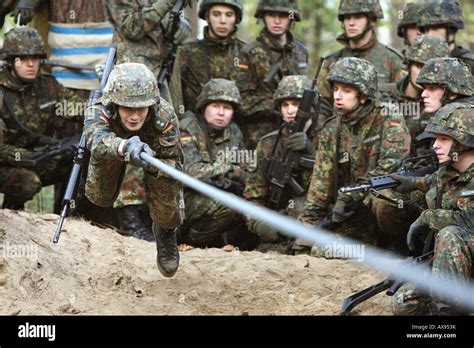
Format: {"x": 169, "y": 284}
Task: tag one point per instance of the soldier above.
{"x": 286, "y": 100}
{"x": 275, "y": 53}
{"x": 357, "y": 143}
{"x": 408, "y": 26}
{"x": 210, "y": 141}
{"x": 359, "y": 19}
{"x": 218, "y": 55}
{"x": 129, "y": 119}
{"x": 404, "y": 96}
{"x": 444, "y": 19}
{"x": 450, "y": 198}
{"x": 30, "y": 119}
{"x": 139, "y": 36}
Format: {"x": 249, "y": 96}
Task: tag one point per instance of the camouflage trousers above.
{"x": 163, "y": 194}
{"x": 453, "y": 256}
{"x": 206, "y": 220}
{"x": 132, "y": 191}
{"x": 394, "y": 219}
{"x": 19, "y": 185}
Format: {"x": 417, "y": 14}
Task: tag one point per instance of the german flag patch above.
{"x": 186, "y": 138}
{"x": 243, "y": 66}
{"x": 394, "y": 123}
{"x": 104, "y": 118}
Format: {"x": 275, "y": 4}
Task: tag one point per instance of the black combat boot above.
{"x": 167, "y": 257}
{"x": 131, "y": 223}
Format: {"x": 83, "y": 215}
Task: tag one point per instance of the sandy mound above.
{"x": 97, "y": 271}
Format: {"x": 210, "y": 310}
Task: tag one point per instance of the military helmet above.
{"x": 24, "y": 41}
{"x": 444, "y": 13}
{"x": 426, "y": 47}
{"x": 452, "y": 73}
{"x": 286, "y": 6}
{"x": 291, "y": 87}
{"x": 348, "y": 7}
{"x": 132, "y": 85}
{"x": 409, "y": 18}
{"x": 235, "y": 4}
{"x": 357, "y": 72}
{"x": 219, "y": 90}
{"x": 455, "y": 120}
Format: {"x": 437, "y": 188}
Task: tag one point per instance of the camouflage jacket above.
{"x": 394, "y": 100}
{"x": 207, "y": 153}
{"x": 387, "y": 62}
{"x": 30, "y": 111}
{"x": 264, "y": 53}
{"x": 349, "y": 153}
{"x": 272, "y": 144}
{"x": 455, "y": 205}
{"x": 203, "y": 60}
{"x": 104, "y": 132}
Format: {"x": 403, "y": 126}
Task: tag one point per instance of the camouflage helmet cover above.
{"x": 131, "y": 85}
{"x": 219, "y": 90}
{"x": 357, "y": 72}
{"x": 445, "y": 13}
{"x": 348, "y": 7}
{"x": 426, "y": 47}
{"x": 291, "y": 87}
{"x": 452, "y": 73}
{"x": 24, "y": 41}
{"x": 285, "y": 6}
{"x": 455, "y": 120}
{"x": 235, "y": 4}
{"x": 409, "y": 18}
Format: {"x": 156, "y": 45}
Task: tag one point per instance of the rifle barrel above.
{"x": 355, "y": 188}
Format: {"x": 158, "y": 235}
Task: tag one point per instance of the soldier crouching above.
{"x": 129, "y": 119}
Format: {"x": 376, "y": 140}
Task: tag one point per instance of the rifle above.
{"x": 414, "y": 166}
{"x": 390, "y": 283}
{"x": 276, "y": 70}
{"x": 281, "y": 172}
{"x": 79, "y": 160}
{"x": 170, "y": 46}
{"x": 226, "y": 184}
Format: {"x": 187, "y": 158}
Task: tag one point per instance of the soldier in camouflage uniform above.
{"x": 128, "y": 120}
{"x": 450, "y": 213}
{"x": 359, "y": 18}
{"x": 444, "y": 18}
{"x": 218, "y": 55}
{"x": 139, "y": 36}
{"x": 408, "y": 26}
{"x": 30, "y": 119}
{"x": 357, "y": 143}
{"x": 275, "y": 52}
{"x": 286, "y": 100}
{"x": 210, "y": 139}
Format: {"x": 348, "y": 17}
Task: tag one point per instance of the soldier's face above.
{"x": 442, "y": 146}
{"x": 346, "y": 98}
{"x": 27, "y": 68}
{"x": 277, "y": 23}
{"x": 222, "y": 20}
{"x": 133, "y": 118}
{"x": 218, "y": 114}
{"x": 432, "y": 95}
{"x": 440, "y": 32}
{"x": 412, "y": 33}
{"x": 289, "y": 109}
{"x": 355, "y": 24}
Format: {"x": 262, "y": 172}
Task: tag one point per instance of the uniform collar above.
{"x": 344, "y": 40}
{"x": 228, "y": 41}
{"x": 269, "y": 41}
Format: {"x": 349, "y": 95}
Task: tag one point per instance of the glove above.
{"x": 297, "y": 141}
{"x": 25, "y": 11}
{"x": 133, "y": 148}
{"x": 266, "y": 233}
{"x": 339, "y": 212}
{"x": 415, "y": 232}
{"x": 407, "y": 183}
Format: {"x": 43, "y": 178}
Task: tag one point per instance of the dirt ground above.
{"x": 97, "y": 271}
